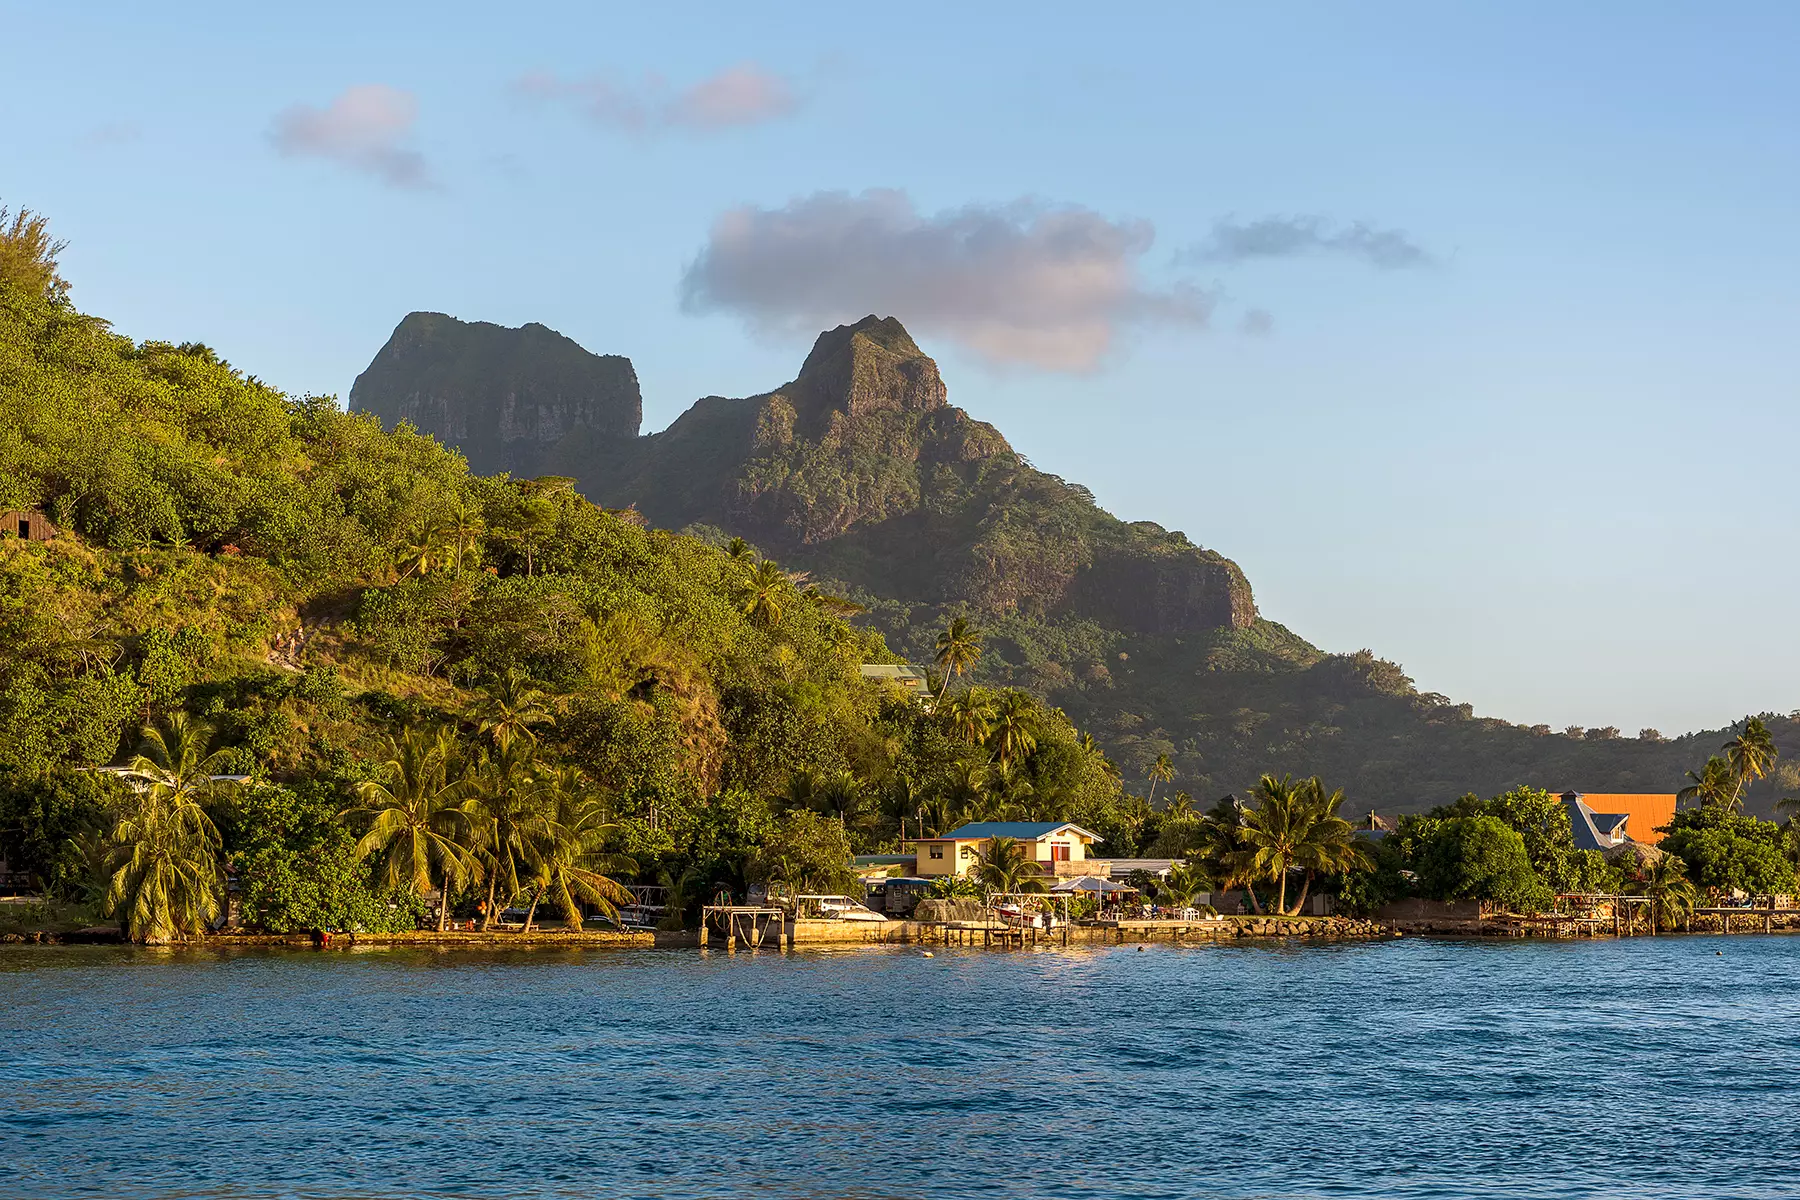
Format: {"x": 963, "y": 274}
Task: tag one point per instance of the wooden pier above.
{"x": 744, "y": 924}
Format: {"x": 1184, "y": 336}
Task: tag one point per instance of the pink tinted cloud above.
{"x": 737, "y": 97}
{"x": 365, "y": 127}
{"x": 1021, "y": 284}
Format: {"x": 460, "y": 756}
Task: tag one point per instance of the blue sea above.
{"x": 1665, "y": 1067}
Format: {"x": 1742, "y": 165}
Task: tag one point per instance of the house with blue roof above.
{"x": 1059, "y": 847}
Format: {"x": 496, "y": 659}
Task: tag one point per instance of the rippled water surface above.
{"x": 1638, "y": 1068}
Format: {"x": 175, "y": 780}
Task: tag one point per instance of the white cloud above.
{"x": 1022, "y": 283}
{"x": 736, "y": 97}
{"x": 365, "y": 127}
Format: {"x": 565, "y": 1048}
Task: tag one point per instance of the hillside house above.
{"x": 1602, "y": 820}
{"x": 1059, "y": 847}
{"x": 908, "y": 679}
{"x": 27, "y": 525}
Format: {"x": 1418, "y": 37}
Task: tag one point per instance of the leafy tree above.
{"x": 504, "y": 808}
{"x": 298, "y": 869}
{"x": 41, "y": 819}
{"x": 1476, "y": 858}
{"x": 1184, "y": 885}
{"x": 805, "y": 852}
{"x": 28, "y": 254}
{"x": 1727, "y": 851}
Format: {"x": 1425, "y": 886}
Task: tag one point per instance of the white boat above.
{"x": 843, "y": 908}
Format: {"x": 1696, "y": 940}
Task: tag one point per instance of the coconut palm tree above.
{"x": 423, "y": 553}
{"x": 1184, "y": 885}
{"x": 738, "y": 550}
{"x": 1296, "y": 826}
{"x": 506, "y": 805}
{"x": 165, "y": 879}
{"x": 1665, "y": 882}
{"x": 760, "y": 594}
{"x": 1749, "y": 755}
{"x": 968, "y": 716}
{"x": 180, "y": 758}
{"x": 418, "y": 820}
{"x": 509, "y": 707}
{"x": 1003, "y": 865}
{"x": 1161, "y": 771}
{"x": 1010, "y": 735}
{"x": 841, "y": 794}
{"x": 569, "y": 862}
{"x": 958, "y": 650}
{"x": 458, "y": 538}
{"x": 1715, "y": 786}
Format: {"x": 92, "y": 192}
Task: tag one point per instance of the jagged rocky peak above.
{"x": 871, "y": 366}
{"x": 510, "y": 399}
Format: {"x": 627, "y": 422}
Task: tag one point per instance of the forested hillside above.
{"x": 330, "y": 607}
{"x": 861, "y": 472}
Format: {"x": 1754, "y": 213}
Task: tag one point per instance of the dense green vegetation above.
{"x": 438, "y": 681}
{"x": 452, "y": 693}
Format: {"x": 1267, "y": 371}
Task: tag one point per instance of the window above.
{"x": 968, "y": 852}
{"x": 937, "y": 852}
{"x": 1059, "y": 852}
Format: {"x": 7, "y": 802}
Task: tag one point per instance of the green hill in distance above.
{"x": 860, "y": 472}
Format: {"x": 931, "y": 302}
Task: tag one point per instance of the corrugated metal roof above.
{"x": 1029, "y": 831}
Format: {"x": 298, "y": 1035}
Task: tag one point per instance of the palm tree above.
{"x": 1010, "y": 735}
{"x": 1296, "y": 826}
{"x": 958, "y": 650}
{"x": 422, "y": 553}
{"x": 568, "y": 851}
{"x": 457, "y": 535}
{"x": 179, "y": 758}
{"x": 165, "y": 878}
{"x": 1749, "y": 755}
{"x": 1672, "y": 895}
{"x": 509, "y": 707}
{"x": 1003, "y": 866}
{"x": 1184, "y": 885}
{"x": 968, "y": 716}
{"x": 506, "y": 807}
{"x": 1714, "y": 787}
{"x": 760, "y": 593}
{"x": 840, "y": 793}
{"x": 1161, "y": 771}
{"x": 738, "y": 550}
{"x": 418, "y": 820}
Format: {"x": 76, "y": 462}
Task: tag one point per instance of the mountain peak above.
{"x": 870, "y": 366}
{"x": 504, "y": 396}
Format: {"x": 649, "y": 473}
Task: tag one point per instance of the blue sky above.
{"x": 1543, "y": 462}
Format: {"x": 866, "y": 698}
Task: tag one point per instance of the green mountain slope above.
{"x": 860, "y": 472}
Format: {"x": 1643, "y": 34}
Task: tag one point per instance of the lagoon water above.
{"x": 1650, "y": 1067}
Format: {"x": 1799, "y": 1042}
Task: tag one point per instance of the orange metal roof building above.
{"x": 1646, "y": 812}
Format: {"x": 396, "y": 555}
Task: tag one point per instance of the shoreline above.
{"x": 809, "y": 934}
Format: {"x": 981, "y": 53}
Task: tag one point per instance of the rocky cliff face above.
{"x": 525, "y": 400}
{"x": 859, "y": 469}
